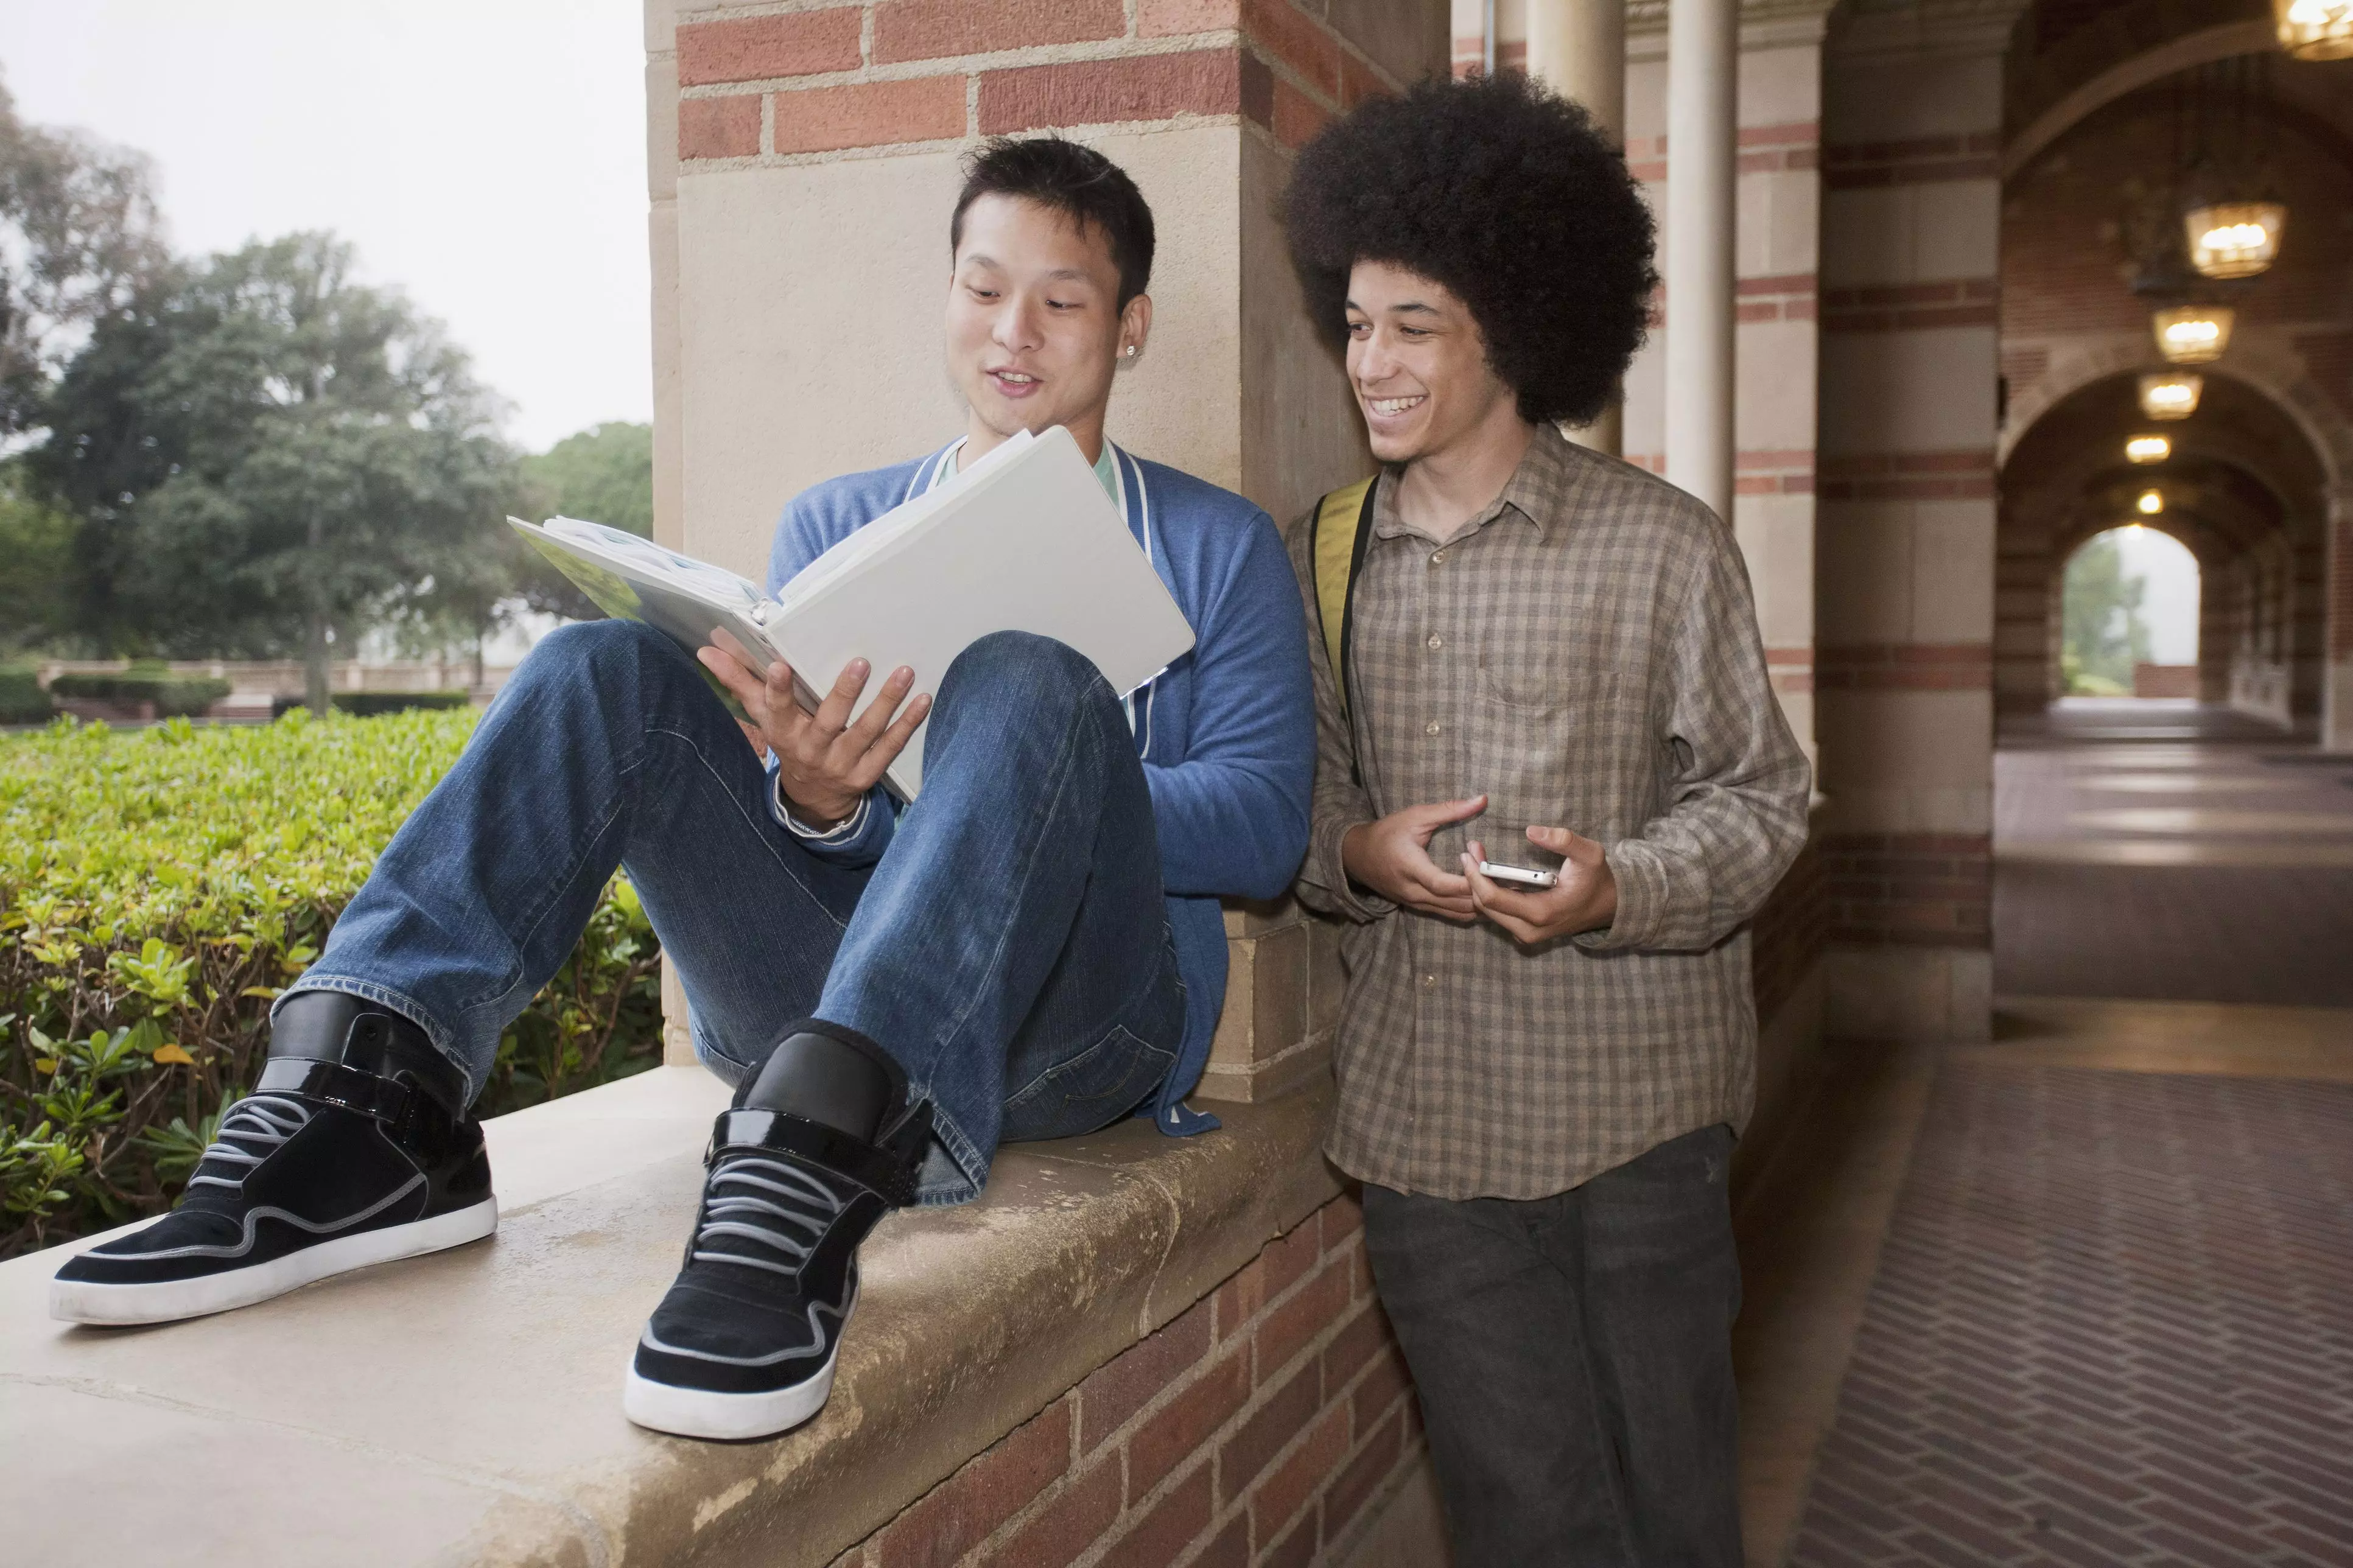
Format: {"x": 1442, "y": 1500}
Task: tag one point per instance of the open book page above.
{"x": 724, "y": 586}
{"x": 696, "y": 605}
{"x": 893, "y": 528}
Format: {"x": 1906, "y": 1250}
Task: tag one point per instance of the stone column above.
{"x": 1912, "y": 124}
{"x": 1702, "y": 76}
{"x": 1577, "y": 47}
{"x": 1777, "y": 203}
{"x": 2337, "y": 673}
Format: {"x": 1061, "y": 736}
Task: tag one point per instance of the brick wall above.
{"x": 811, "y": 83}
{"x": 1915, "y": 889}
{"x": 1253, "y": 1429}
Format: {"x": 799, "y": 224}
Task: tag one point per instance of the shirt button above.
{"x": 1438, "y": 558}
{"x": 1436, "y": 641}
{"x": 1429, "y": 982}
{"x": 1431, "y": 728}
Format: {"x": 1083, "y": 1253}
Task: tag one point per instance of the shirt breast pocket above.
{"x": 1546, "y": 746}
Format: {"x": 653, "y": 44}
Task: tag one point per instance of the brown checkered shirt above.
{"x": 1587, "y": 656}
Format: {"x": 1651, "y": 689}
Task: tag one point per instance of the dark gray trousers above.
{"x": 1574, "y": 1360}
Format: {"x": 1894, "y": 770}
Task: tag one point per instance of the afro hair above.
{"x": 1510, "y": 197}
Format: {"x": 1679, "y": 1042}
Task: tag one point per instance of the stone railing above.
{"x": 1131, "y": 1348}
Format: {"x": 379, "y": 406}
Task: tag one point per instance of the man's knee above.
{"x": 1040, "y": 668}
{"x": 601, "y": 652}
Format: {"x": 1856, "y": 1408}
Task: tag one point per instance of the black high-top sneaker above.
{"x": 819, "y": 1146}
{"x": 354, "y": 1149}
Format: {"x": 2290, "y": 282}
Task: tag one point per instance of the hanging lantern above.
{"x": 2315, "y": 29}
{"x": 2170, "y": 393}
{"x": 2193, "y": 335}
{"x": 2147, "y": 449}
{"x": 2235, "y": 240}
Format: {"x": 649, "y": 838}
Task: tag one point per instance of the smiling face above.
{"x": 1419, "y": 365}
{"x": 1035, "y": 330}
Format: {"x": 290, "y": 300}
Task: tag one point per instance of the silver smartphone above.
{"x": 1498, "y": 873}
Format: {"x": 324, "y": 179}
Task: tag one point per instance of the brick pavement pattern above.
{"x": 2183, "y": 933}
{"x": 2110, "y": 1326}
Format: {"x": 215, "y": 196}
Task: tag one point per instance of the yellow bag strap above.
{"x": 1343, "y": 522}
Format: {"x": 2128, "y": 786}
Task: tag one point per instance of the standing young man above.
{"x": 1534, "y": 655}
{"x": 1033, "y": 948}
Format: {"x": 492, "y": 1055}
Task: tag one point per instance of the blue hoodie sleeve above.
{"x": 1234, "y": 815}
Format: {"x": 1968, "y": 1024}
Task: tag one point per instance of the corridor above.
{"x": 2080, "y": 1295}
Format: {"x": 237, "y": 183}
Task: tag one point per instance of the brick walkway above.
{"x": 2113, "y": 1325}
{"x": 2170, "y": 856}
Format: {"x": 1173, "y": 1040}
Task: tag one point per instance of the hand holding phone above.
{"x": 1580, "y": 895}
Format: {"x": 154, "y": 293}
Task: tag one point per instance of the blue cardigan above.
{"x": 1229, "y": 747}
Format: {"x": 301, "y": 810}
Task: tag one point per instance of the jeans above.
{"x": 1009, "y": 950}
{"x": 1573, "y": 1356}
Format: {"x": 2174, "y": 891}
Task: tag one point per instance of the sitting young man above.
{"x": 1538, "y": 1086}
{"x": 1033, "y": 948}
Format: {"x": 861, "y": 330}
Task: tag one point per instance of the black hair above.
{"x": 1510, "y": 196}
{"x": 1073, "y": 180}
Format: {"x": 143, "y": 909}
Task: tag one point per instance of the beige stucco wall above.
{"x": 795, "y": 362}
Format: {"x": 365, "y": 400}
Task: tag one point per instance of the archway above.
{"x": 2242, "y": 488}
{"x": 2129, "y": 608}
{"x": 2101, "y": 104}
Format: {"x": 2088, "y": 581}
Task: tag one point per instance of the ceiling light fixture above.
{"x": 2150, "y": 503}
{"x": 2193, "y": 335}
{"x": 2315, "y": 29}
{"x": 2170, "y": 393}
{"x": 2147, "y": 449}
{"x": 2235, "y": 240}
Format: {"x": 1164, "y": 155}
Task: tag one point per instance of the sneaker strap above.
{"x": 889, "y": 1176}
{"x": 414, "y": 1119}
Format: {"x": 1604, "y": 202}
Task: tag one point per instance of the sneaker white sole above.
{"x": 702, "y": 1412}
{"x": 169, "y": 1300}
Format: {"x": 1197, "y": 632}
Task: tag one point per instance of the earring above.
{"x": 1131, "y": 351}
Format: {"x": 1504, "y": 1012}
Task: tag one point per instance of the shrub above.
{"x": 159, "y": 887}
{"x": 173, "y": 695}
{"x": 22, "y": 701}
{"x": 373, "y": 704}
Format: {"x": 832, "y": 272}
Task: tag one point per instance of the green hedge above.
{"x": 172, "y": 695}
{"x": 22, "y": 701}
{"x": 158, "y": 888}
{"x": 373, "y": 704}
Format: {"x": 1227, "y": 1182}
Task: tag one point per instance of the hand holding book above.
{"x": 825, "y": 760}
{"x": 1023, "y": 540}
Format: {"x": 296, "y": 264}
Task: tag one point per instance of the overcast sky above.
{"x": 487, "y": 156}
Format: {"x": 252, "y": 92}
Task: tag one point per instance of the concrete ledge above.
{"x": 465, "y": 1408}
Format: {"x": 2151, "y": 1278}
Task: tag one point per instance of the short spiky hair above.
{"x": 1510, "y": 196}
{"x": 1073, "y": 180}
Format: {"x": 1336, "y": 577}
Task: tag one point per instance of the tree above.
{"x": 35, "y": 557}
{"x": 263, "y": 455}
{"x": 603, "y": 474}
{"x": 79, "y": 237}
{"x": 2102, "y": 635}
